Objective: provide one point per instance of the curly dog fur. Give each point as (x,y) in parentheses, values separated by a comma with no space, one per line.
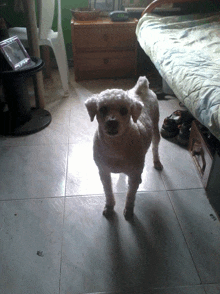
(127,124)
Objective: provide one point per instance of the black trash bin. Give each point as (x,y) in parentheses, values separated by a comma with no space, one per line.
(20,118)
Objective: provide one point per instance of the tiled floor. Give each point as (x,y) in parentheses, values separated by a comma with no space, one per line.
(53,236)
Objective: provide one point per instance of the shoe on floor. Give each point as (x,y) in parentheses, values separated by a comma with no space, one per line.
(184,133)
(170,127)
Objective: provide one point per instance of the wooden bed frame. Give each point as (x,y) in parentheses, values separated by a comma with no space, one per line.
(157,3)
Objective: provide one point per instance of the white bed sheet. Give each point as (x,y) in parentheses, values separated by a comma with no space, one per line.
(186,52)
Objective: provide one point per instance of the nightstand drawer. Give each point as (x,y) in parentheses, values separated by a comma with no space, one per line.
(104,49)
(90,38)
(109,64)
(91,61)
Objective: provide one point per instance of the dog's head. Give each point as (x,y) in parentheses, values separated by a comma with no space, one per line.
(113,110)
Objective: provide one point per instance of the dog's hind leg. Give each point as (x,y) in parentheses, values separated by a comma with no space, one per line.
(155,146)
(133,184)
(107,185)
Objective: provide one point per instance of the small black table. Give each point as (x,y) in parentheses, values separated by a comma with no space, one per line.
(21,119)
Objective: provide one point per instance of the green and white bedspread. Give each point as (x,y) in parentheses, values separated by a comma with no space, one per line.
(186,52)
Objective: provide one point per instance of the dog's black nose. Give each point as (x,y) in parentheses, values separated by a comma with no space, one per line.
(112,126)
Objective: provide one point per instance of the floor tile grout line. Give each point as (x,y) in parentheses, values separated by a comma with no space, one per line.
(124,193)
(174,189)
(184,189)
(116,194)
(203,287)
(187,243)
(32,198)
(67,162)
(30,145)
(64,206)
(62,241)
(206,291)
(93,194)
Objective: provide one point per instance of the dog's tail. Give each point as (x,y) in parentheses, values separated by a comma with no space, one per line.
(142,86)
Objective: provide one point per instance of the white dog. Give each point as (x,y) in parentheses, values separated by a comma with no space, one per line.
(128,122)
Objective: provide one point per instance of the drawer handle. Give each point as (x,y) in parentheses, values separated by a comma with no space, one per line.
(106,60)
(198,150)
(105,37)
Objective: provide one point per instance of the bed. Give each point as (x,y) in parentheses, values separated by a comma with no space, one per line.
(185,49)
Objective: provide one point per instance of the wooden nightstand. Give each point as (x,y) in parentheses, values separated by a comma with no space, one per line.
(104,49)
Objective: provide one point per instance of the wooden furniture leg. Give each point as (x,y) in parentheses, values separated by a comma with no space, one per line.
(45,53)
(29,7)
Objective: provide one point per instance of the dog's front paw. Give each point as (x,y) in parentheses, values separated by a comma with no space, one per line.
(108,211)
(158,165)
(128,213)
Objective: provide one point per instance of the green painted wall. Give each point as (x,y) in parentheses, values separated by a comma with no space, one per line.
(18,19)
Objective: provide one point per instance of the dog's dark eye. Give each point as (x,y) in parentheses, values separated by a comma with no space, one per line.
(123,111)
(103,110)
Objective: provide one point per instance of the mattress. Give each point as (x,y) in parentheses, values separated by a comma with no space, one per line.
(186,52)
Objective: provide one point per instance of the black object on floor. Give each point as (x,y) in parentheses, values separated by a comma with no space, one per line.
(178,124)
(21,119)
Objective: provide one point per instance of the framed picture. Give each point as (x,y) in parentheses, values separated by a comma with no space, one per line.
(14,53)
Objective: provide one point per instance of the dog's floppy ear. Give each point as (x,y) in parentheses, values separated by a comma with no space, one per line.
(91,105)
(136,109)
